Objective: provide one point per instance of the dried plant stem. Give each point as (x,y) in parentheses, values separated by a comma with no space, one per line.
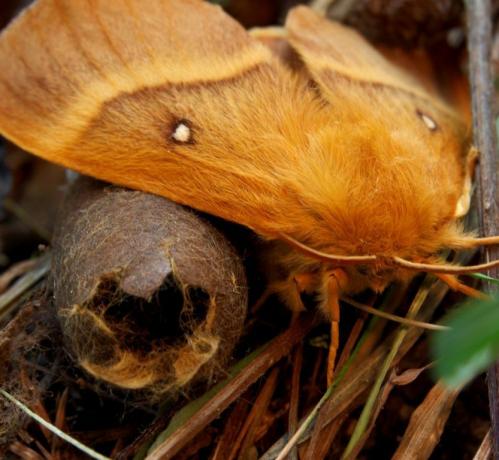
(322,437)
(365,416)
(295,396)
(336,9)
(484,452)
(363,375)
(16,270)
(310,418)
(74,442)
(397,319)
(232,428)
(479,16)
(24,283)
(247,434)
(321,6)
(427,424)
(26,218)
(170,442)
(23,451)
(313,414)
(479,19)
(380,402)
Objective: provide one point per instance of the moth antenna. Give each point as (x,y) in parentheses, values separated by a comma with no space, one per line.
(441,268)
(471,242)
(389,316)
(341,260)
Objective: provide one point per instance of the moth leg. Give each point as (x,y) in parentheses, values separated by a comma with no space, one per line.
(333,282)
(298,283)
(456,285)
(334,306)
(303,282)
(269,290)
(289,291)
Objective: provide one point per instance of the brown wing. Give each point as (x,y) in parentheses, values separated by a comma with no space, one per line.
(63,60)
(170,96)
(353,75)
(331,49)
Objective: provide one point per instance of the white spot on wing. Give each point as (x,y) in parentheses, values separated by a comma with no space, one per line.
(182,133)
(428,121)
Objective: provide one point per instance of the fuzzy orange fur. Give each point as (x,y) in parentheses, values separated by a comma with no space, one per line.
(348,166)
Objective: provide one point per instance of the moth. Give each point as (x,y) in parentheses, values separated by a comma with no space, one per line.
(352,172)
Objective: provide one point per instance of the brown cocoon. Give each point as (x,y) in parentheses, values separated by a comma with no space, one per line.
(149,295)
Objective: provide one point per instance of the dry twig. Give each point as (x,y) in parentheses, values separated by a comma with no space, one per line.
(479,18)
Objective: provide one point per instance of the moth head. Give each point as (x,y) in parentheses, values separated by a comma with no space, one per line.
(377,271)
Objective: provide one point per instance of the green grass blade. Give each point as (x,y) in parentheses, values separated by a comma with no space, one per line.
(484,277)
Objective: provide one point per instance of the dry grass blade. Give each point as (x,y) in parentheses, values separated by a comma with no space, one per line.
(16,270)
(484,452)
(25,217)
(47,455)
(24,452)
(40,410)
(231,390)
(255,416)
(60,417)
(24,283)
(381,399)
(341,7)
(427,424)
(321,405)
(74,442)
(310,418)
(351,341)
(395,318)
(321,6)
(305,425)
(325,430)
(232,428)
(365,416)
(295,396)
(392,300)
(322,438)
(408,376)
(319,449)
(363,374)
